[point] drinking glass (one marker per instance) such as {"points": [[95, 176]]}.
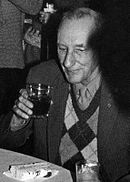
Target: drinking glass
{"points": [[39, 95], [87, 171]]}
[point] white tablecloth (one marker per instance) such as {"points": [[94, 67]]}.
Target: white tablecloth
{"points": [[9, 157]]}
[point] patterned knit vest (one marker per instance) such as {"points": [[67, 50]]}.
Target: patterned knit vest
{"points": [[79, 132]]}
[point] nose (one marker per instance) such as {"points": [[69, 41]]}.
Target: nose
{"points": [[69, 60]]}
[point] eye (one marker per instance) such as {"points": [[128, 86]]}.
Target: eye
{"points": [[80, 51], [62, 49]]}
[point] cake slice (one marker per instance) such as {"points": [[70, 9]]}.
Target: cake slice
{"points": [[29, 171]]}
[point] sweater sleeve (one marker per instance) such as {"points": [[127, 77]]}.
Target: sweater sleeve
{"points": [[28, 6], [10, 139]]}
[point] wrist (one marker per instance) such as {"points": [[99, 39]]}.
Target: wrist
{"points": [[17, 123]]}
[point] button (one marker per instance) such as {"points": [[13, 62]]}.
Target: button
{"points": [[108, 105]]}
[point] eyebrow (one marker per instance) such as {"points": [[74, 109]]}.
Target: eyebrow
{"points": [[81, 46], [76, 46], [60, 44]]}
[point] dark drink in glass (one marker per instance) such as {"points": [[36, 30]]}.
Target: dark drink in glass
{"points": [[39, 94], [41, 105]]}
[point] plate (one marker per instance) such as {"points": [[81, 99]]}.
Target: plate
{"points": [[37, 179]]}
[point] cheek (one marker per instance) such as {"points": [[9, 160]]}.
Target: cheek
{"points": [[89, 63], [61, 57], [87, 69]]}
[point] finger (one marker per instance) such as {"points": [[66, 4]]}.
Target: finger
{"points": [[33, 31], [20, 113], [23, 105], [30, 29], [22, 90], [24, 108], [24, 93], [25, 101]]}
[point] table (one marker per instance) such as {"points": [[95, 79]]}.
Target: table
{"points": [[9, 157]]}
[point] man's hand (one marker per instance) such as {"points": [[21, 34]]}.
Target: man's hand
{"points": [[23, 107], [23, 111]]}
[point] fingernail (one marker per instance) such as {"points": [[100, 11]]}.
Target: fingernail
{"points": [[30, 112]]}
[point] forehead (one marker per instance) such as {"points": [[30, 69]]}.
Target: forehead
{"points": [[76, 31]]}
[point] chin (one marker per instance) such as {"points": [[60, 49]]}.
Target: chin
{"points": [[73, 81]]}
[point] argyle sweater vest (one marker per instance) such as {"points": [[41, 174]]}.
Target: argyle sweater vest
{"points": [[79, 139]]}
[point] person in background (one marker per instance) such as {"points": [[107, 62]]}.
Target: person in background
{"points": [[84, 120], [12, 75], [32, 39]]}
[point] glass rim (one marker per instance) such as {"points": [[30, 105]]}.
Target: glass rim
{"points": [[87, 161], [36, 85]]}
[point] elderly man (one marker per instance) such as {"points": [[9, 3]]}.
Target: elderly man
{"points": [[83, 120]]}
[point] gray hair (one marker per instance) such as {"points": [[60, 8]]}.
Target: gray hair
{"points": [[82, 12]]}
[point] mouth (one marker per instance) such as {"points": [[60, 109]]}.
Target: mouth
{"points": [[72, 71]]}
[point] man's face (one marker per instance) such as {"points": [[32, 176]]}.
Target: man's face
{"points": [[76, 57]]}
